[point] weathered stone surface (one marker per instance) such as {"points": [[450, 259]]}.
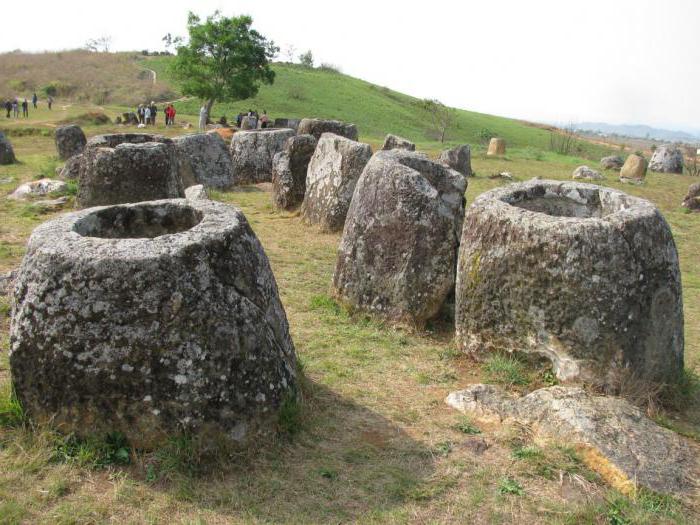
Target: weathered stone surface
{"points": [[395, 142], [71, 169], [224, 133], [289, 169], [291, 123], [496, 147], [458, 158], [248, 123], [317, 127], [7, 153], [634, 170], [586, 173], [113, 140], [333, 172], [129, 172], [70, 140], [398, 253], [52, 204], [252, 153], [613, 162], [692, 200], [37, 188], [667, 159], [204, 159], [196, 192], [151, 319], [618, 441], [502, 175], [583, 275], [7, 282]]}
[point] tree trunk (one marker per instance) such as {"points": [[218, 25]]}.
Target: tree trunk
{"points": [[210, 103]]}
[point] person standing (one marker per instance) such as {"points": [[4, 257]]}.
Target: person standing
{"points": [[202, 118], [34, 100], [154, 111], [147, 115], [15, 108], [172, 115], [139, 113], [8, 107], [25, 108], [49, 101]]}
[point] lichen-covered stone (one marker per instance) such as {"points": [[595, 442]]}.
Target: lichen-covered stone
{"points": [[398, 253], [291, 123], [667, 159], [204, 159], [692, 200], [634, 170], [497, 146], [317, 127], [395, 142], [70, 141], [613, 162], [252, 153], [151, 319], [289, 168], [586, 173], [7, 153], [334, 169], [113, 140], [196, 192], [583, 275], [614, 437], [37, 188], [458, 158], [71, 169]]}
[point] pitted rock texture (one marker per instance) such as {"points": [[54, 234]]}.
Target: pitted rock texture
{"points": [[613, 162], [204, 159], [458, 158], [291, 123], [37, 188], [398, 253], [70, 141], [115, 139], [71, 169], [634, 169], [317, 127], [151, 319], [667, 159], [634, 450], [289, 169], [692, 200], [252, 153], [583, 275], [395, 142], [196, 192], [129, 172], [334, 169], [586, 173], [7, 153], [496, 147]]}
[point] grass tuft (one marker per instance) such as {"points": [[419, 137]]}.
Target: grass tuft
{"points": [[506, 370]]}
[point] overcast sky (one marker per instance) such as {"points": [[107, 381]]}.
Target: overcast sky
{"points": [[619, 61]]}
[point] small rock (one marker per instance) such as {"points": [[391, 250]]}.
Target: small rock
{"points": [[584, 172], [667, 159], [613, 162], [692, 200], [496, 147], [37, 188], [395, 142], [197, 192]]}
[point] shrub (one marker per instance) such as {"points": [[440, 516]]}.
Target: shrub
{"points": [[329, 68]]}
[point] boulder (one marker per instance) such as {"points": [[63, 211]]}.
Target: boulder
{"points": [[615, 438], [496, 147], [70, 140], [197, 192], [71, 169], [249, 123], [130, 118], [583, 275], [129, 173], [204, 159], [395, 142], [692, 200], [333, 172], [115, 139], [151, 319], [37, 188], [289, 169], [614, 162], [252, 153], [7, 153], [458, 158], [398, 253], [317, 127], [634, 170], [586, 173], [291, 123], [667, 159]]}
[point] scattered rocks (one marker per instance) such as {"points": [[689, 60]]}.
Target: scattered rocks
{"points": [[197, 192], [204, 159], [634, 170], [7, 153], [51, 204], [692, 200], [252, 153], [70, 140], [496, 147], [586, 173], [618, 441], [398, 253], [317, 127], [585, 276], [37, 188], [394, 142], [458, 158], [502, 175], [289, 169], [614, 162], [667, 159], [71, 169], [333, 172], [151, 319]]}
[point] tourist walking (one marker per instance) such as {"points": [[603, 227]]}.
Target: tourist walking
{"points": [[25, 108], [34, 100], [202, 118], [49, 101], [8, 107], [15, 108]]}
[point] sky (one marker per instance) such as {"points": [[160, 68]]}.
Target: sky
{"points": [[616, 61]]}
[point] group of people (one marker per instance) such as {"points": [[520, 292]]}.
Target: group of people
{"points": [[13, 106], [147, 113], [254, 119]]}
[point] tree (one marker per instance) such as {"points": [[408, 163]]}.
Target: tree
{"points": [[307, 59], [224, 59], [99, 44], [440, 116]]}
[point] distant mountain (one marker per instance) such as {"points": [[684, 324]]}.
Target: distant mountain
{"points": [[638, 131]]}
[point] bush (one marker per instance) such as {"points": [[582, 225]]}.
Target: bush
{"points": [[329, 68], [57, 88]]}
